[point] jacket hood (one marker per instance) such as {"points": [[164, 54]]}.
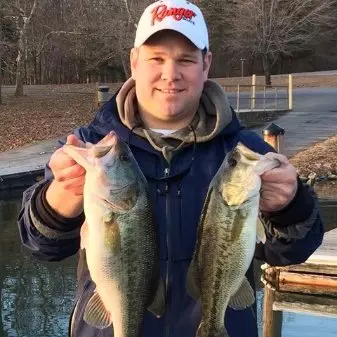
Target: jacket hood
{"points": [[213, 117]]}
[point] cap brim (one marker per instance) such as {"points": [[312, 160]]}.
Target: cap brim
{"points": [[199, 44]]}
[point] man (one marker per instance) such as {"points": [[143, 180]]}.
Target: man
{"points": [[179, 126]]}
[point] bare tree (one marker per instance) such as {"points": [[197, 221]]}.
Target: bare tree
{"points": [[1, 48], [62, 41], [270, 29], [23, 19]]}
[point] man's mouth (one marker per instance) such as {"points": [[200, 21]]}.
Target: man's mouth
{"points": [[170, 91]]}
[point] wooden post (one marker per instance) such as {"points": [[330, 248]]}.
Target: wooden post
{"points": [[238, 99], [252, 104], [96, 94], [290, 92], [276, 97], [272, 320], [264, 98]]}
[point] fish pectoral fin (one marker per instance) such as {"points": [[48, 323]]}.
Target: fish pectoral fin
{"points": [[157, 307], [113, 235], [243, 298], [192, 282], [260, 232], [84, 235], [95, 313]]}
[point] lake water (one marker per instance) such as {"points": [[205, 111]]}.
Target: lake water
{"points": [[36, 297]]}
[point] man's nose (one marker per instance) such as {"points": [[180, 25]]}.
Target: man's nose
{"points": [[170, 71]]}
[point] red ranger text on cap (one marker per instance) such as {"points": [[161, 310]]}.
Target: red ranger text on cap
{"points": [[161, 12]]}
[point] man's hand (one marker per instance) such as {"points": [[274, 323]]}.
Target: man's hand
{"points": [[278, 186], [65, 193]]}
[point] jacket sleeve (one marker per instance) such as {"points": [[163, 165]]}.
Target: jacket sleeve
{"points": [[42, 240], [295, 232]]}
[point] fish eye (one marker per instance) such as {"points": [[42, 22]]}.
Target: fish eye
{"points": [[124, 157], [232, 162]]}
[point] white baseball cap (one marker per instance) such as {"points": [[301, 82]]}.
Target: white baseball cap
{"points": [[179, 15]]}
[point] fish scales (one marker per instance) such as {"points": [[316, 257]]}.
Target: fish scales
{"points": [[119, 237], [218, 225], [226, 239]]}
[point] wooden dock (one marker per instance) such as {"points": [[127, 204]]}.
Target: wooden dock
{"points": [[310, 287]]}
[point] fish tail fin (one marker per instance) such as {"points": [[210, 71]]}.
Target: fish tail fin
{"points": [[222, 332]]}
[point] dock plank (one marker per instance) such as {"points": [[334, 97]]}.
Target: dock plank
{"points": [[327, 252]]}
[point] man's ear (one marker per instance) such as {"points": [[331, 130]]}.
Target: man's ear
{"points": [[207, 64], [133, 61]]}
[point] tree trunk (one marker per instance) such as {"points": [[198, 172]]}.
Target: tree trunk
{"points": [[26, 77], [0, 73], [40, 69], [0, 78], [25, 62], [77, 72], [35, 68], [21, 49], [266, 69], [19, 69], [251, 65]]}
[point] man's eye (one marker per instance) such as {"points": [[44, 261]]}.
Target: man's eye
{"points": [[187, 61], [156, 59]]}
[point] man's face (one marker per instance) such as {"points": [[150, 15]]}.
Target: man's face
{"points": [[170, 73]]}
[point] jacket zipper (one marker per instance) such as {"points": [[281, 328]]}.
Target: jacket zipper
{"points": [[169, 256]]}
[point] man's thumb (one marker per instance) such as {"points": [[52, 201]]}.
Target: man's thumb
{"points": [[73, 140]]}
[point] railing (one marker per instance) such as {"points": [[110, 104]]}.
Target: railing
{"points": [[269, 97]]}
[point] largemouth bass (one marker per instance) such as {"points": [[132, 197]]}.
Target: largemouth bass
{"points": [[226, 239], [119, 238]]}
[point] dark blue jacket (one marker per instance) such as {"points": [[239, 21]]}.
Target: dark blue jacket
{"points": [[292, 234]]}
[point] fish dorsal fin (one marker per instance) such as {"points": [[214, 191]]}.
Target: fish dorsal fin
{"points": [[95, 313], [244, 297], [192, 285], [157, 306], [260, 231], [192, 280]]}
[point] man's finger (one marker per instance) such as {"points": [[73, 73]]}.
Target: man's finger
{"points": [[70, 172], [284, 174], [278, 156], [75, 183], [60, 160], [73, 140]]}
